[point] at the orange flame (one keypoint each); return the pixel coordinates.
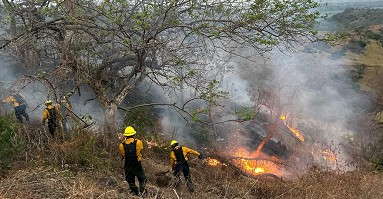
(296, 132)
(214, 162)
(327, 154)
(254, 167)
(259, 170)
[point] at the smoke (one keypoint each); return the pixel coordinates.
(237, 88)
(316, 87)
(9, 74)
(36, 93)
(316, 93)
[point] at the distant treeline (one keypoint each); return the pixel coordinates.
(343, 6)
(353, 19)
(357, 21)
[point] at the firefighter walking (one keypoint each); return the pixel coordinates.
(130, 150)
(19, 105)
(53, 115)
(179, 162)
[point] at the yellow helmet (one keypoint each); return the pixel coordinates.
(48, 102)
(173, 142)
(129, 131)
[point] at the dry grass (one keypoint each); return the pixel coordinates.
(41, 179)
(372, 55)
(211, 182)
(52, 170)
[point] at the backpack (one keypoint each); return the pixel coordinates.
(19, 99)
(52, 115)
(130, 152)
(179, 154)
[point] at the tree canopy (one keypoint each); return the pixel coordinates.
(111, 46)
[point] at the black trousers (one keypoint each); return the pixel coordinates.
(20, 113)
(52, 127)
(133, 170)
(184, 167)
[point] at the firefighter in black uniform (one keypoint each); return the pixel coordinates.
(19, 105)
(178, 163)
(53, 115)
(130, 150)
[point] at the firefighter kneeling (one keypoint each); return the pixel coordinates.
(178, 163)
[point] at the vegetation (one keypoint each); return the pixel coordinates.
(113, 46)
(73, 169)
(357, 18)
(10, 144)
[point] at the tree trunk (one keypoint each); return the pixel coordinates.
(265, 140)
(110, 117)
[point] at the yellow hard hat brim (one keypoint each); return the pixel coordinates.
(129, 134)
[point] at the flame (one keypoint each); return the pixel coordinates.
(328, 154)
(251, 168)
(259, 170)
(296, 132)
(214, 162)
(255, 167)
(325, 154)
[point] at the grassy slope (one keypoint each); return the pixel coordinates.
(47, 182)
(42, 175)
(373, 60)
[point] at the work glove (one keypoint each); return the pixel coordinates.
(200, 156)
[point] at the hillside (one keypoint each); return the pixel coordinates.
(85, 163)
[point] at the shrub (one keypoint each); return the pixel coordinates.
(82, 150)
(378, 164)
(371, 35)
(9, 145)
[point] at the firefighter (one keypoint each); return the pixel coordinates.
(130, 150)
(53, 115)
(19, 105)
(178, 163)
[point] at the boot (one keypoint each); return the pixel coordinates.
(177, 181)
(190, 185)
(134, 189)
(142, 190)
